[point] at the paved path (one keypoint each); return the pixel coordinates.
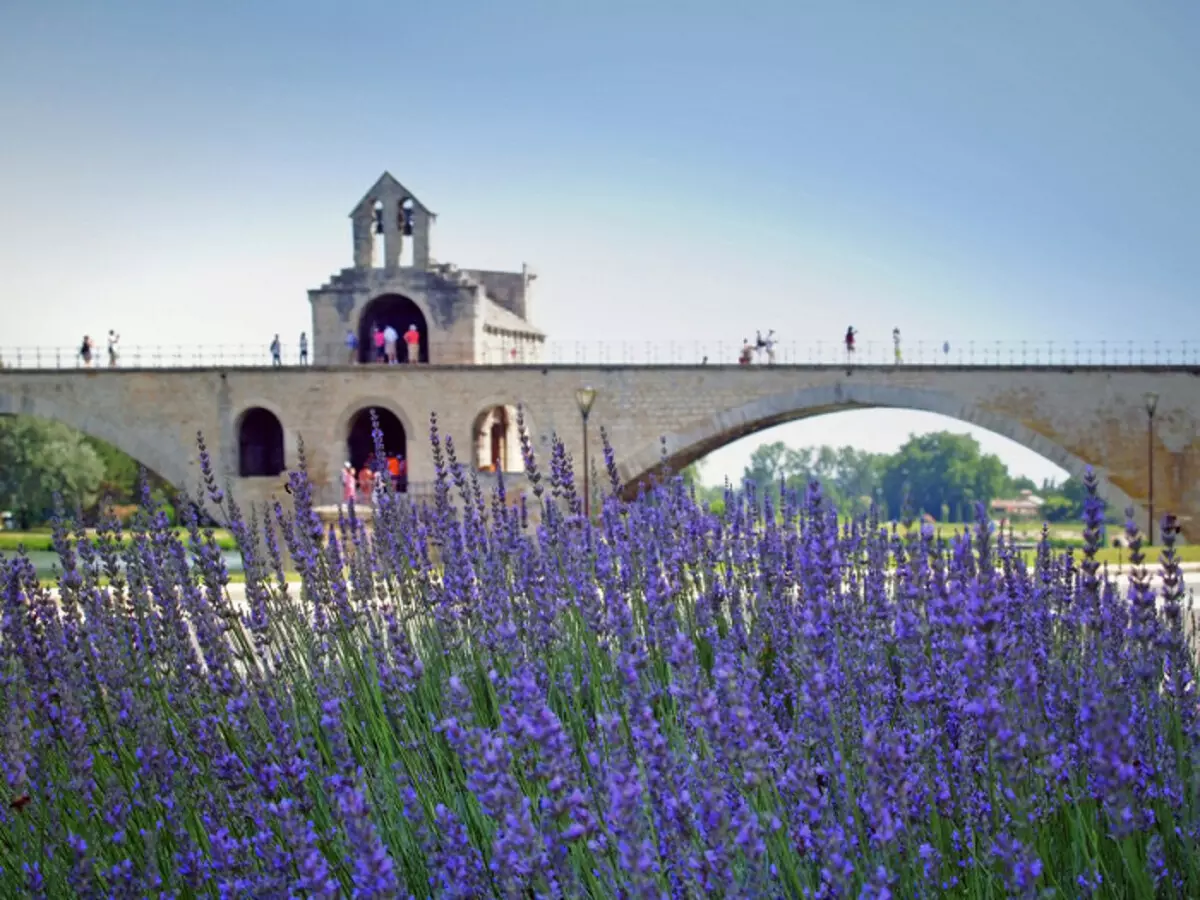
(1191, 579)
(1191, 576)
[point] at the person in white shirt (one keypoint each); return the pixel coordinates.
(390, 336)
(769, 345)
(113, 340)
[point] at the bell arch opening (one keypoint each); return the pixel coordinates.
(404, 227)
(400, 314)
(498, 440)
(377, 249)
(260, 444)
(360, 445)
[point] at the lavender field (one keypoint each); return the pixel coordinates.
(661, 702)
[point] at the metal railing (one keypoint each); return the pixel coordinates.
(1117, 353)
(330, 494)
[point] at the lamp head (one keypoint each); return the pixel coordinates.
(585, 397)
(1151, 402)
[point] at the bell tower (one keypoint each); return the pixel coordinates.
(391, 210)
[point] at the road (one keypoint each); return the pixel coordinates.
(1191, 576)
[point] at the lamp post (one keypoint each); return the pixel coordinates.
(585, 397)
(1151, 407)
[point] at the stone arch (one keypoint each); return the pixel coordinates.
(722, 428)
(496, 439)
(260, 443)
(159, 453)
(355, 438)
(396, 310)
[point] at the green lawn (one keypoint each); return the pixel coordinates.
(234, 578)
(40, 540)
(1187, 553)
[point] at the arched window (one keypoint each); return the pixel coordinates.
(498, 440)
(360, 444)
(260, 444)
(399, 312)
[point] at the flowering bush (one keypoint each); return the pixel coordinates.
(663, 702)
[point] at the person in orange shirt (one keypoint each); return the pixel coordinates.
(412, 342)
(394, 471)
(365, 477)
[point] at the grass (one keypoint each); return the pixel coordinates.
(51, 581)
(39, 540)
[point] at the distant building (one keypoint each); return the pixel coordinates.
(1026, 505)
(462, 316)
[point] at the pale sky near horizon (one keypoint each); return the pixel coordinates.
(1018, 170)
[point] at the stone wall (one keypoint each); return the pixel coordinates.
(506, 288)
(1074, 417)
(452, 312)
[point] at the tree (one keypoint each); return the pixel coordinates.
(1064, 502)
(39, 459)
(770, 464)
(858, 477)
(849, 478)
(121, 480)
(941, 469)
(704, 494)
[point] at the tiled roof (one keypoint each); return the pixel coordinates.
(498, 318)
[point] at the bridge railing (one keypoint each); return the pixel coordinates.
(331, 494)
(686, 353)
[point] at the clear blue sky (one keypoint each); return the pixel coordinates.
(690, 170)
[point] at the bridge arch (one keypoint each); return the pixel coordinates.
(713, 432)
(354, 439)
(396, 310)
(157, 452)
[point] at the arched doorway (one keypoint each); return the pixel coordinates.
(498, 440)
(360, 443)
(260, 444)
(398, 311)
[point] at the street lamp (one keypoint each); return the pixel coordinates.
(585, 397)
(1151, 407)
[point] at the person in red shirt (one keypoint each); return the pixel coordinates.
(365, 477)
(746, 354)
(412, 342)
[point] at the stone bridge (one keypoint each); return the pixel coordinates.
(253, 419)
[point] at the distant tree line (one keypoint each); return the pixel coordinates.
(940, 474)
